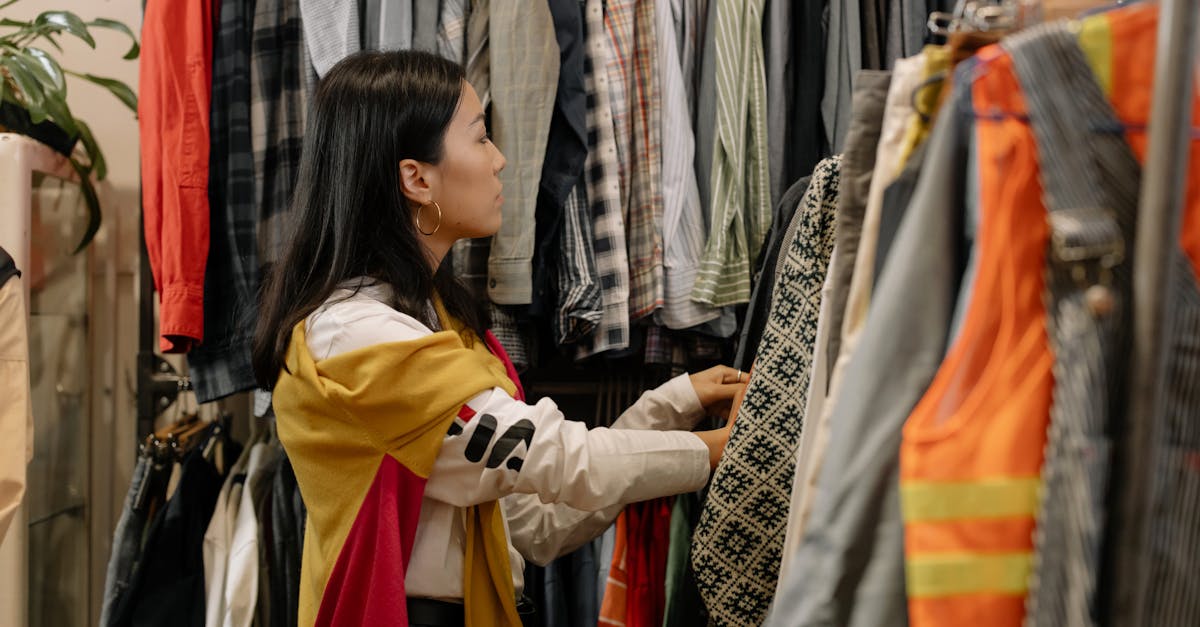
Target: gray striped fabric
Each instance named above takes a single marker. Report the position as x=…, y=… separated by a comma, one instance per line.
x=1090, y=184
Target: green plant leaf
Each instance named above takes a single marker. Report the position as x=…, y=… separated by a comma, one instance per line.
x=104, y=22
x=11, y=22
x=116, y=87
x=99, y=165
x=49, y=68
x=65, y=20
x=93, y=203
x=28, y=86
x=60, y=113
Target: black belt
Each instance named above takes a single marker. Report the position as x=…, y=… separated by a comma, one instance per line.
x=446, y=614
x=435, y=613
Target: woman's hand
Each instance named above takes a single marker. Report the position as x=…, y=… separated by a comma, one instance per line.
x=717, y=387
x=721, y=390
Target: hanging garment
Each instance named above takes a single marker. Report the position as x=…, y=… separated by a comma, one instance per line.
x=331, y=31
x=261, y=490
x=926, y=99
x=16, y=414
x=634, y=94
x=386, y=24
x=603, y=192
x=843, y=56
x=777, y=48
x=524, y=74
x=738, y=540
x=219, y=536
x=579, y=293
x=764, y=275
x=478, y=54
x=278, y=104
x=806, y=127
x=425, y=25
x=972, y=450
x=1122, y=47
x=127, y=543
x=741, y=194
x=166, y=585
x=287, y=527
x=566, y=150
x=858, y=164
x=569, y=590
x=452, y=30
x=683, y=218
x=854, y=531
x=1092, y=196
x=649, y=528
x=704, y=102
x=220, y=366
x=175, y=87
x=896, y=199
x=829, y=371
x=616, y=587
x=684, y=606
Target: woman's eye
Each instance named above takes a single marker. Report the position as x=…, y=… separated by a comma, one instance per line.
x=487, y=137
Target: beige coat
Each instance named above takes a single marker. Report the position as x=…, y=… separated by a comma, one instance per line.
x=16, y=415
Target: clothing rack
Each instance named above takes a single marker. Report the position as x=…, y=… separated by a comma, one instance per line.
x=158, y=383
x=1160, y=212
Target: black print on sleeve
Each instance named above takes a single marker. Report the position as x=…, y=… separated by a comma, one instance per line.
x=485, y=431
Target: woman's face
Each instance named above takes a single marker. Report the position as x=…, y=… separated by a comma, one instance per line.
x=466, y=182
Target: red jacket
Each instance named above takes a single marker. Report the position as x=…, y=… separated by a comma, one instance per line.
x=175, y=89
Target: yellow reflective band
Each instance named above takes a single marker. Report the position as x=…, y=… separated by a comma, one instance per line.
x=943, y=575
x=1095, y=37
x=988, y=498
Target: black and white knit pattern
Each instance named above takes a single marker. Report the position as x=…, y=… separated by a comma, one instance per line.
x=738, y=543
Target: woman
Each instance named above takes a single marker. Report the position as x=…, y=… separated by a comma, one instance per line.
x=428, y=480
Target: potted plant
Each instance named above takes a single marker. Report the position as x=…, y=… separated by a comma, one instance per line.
x=33, y=93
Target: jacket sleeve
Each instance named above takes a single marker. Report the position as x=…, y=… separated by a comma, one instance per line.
x=498, y=446
x=175, y=87
x=542, y=532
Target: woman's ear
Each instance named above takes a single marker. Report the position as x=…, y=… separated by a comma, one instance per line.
x=416, y=181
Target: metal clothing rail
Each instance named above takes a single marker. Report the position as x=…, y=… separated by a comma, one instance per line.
x=1160, y=213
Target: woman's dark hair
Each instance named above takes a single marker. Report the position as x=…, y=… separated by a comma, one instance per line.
x=349, y=217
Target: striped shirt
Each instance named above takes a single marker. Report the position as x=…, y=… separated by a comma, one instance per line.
x=741, y=195
x=683, y=217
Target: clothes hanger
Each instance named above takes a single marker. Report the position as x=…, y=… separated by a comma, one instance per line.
x=1120, y=127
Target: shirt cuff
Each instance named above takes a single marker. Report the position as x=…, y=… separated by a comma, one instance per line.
x=181, y=316
x=681, y=394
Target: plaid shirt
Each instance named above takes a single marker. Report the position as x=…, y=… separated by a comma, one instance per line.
x=579, y=295
x=741, y=194
x=452, y=30
x=634, y=86
x=278, y=103
x=221, y=365
x=603, y=193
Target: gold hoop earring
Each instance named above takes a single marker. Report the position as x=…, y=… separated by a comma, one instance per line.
x=439, y=222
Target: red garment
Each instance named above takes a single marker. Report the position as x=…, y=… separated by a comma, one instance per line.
x=648, y=544
x=174, y=93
